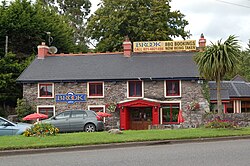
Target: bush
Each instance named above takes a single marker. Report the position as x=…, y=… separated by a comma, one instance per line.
x=218, y=123
x=23, y=108
x=41, y=130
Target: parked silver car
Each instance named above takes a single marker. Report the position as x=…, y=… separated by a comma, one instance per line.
x=76, y=120
x=9, y=128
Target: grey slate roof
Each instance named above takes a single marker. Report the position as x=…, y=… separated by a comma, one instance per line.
x=230, y=89
x=224, y=94
x=111, y=67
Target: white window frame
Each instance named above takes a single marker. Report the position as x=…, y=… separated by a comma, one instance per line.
x=169, y=102
x=102, y=89
x=96, y=106
x=46, y=106
x=165, y=89
x=38, y=89
x=133, y=97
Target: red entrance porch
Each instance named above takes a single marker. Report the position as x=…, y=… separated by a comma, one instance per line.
x=138, y=114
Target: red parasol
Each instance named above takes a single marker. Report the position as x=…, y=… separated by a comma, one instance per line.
x=103, y=114
x=35, y=116
x=180, y=117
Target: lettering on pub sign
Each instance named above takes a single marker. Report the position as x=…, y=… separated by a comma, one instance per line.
x=160, y=46
x=71, y=97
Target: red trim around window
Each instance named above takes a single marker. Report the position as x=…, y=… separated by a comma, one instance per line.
x=135, y=88
x=172, y=88
x=170, y=119
x=45, y=90
x=95, y=89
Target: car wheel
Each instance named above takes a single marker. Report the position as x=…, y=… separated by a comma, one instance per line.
x=89, y=128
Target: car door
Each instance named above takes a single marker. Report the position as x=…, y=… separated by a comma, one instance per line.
x=77, y=120
x=61, y=121
x=6, y=128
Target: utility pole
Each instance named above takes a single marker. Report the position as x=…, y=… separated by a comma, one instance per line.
x=6, y=45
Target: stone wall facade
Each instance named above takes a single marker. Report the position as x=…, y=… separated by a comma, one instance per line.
x=241, y=119
x=115, y=92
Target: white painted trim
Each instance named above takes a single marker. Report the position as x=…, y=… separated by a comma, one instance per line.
x=96, y=106
x=174, y=102
x=95, y=97
x=142, y=86
x=165, y=89
x=38, y=90
x=161, y=116
x=46, y=106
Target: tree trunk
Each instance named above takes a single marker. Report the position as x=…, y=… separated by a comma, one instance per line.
x=219, y=103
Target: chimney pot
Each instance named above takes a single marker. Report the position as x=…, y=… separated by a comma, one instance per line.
x=42, y=51
x=202, y=42
x=127, y=47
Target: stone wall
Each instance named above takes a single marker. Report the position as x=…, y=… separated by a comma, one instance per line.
x=242, y=119
x=116, y=91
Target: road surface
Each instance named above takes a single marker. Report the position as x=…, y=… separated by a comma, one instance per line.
x=221, y=153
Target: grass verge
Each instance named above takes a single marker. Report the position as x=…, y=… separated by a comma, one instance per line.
x=82, y=138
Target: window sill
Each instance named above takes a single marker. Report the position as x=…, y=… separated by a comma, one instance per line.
x=95, y=97
x=46, y=97
x=172, y=96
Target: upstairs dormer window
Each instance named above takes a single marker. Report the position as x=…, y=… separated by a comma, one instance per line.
x=135, y=89
x=172, y=88
x=46, y=90
x=95, y=89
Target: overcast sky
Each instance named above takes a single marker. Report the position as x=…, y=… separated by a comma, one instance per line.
x=216, y=19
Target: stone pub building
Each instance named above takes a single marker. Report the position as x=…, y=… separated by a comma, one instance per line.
x=143, y=87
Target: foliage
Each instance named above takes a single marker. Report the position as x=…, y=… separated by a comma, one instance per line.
x=205, y=90
x=111, y=107
x=41, y=130
x=193, y=106
x=26, y=24
x=10, y=69
x=141, y=20
x=23, y=108
x=217, y=60
x=76, y=11
x=218, y=123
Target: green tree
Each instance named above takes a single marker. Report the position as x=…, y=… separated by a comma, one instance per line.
x=23, y=108
x=10, y=69
x=217, y=60
x=76, y=11
x=140, y=20
x=244, y=68
x=26, y=25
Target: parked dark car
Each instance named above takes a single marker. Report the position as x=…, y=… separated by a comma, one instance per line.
x=76, y=120
x=9, y=128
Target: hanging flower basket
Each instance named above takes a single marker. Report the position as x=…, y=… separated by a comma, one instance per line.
x=111, y=107
x=193, y=106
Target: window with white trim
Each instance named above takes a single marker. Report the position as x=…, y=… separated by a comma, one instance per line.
x=172, y=88
x=135, y=89
x=46, y=90
x=95, y=89
x=170, y=113
x=97, y=108
x=47, y=110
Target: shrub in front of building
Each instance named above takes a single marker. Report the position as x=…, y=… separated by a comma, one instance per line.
x=41, y=130
x=218, y=123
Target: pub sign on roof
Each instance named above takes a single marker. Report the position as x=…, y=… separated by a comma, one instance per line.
x=161, y=46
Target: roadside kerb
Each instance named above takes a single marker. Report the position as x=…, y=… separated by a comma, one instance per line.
x=115, y=145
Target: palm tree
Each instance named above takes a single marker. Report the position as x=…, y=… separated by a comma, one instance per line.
x=217, y=60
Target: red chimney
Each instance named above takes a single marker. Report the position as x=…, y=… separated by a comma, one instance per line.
x=42, y=51
x=127, y=47
x=202, y=42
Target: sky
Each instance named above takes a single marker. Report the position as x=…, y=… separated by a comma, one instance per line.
x=216, y=19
